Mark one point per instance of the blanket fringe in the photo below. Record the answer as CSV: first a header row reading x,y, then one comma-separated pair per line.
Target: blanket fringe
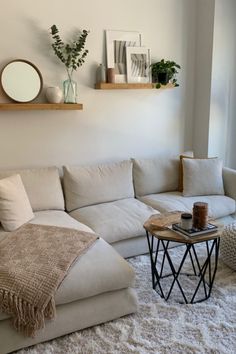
x,y
26,318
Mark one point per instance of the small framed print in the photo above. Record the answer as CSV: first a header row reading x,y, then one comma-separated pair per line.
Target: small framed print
x,y
116,43
138,64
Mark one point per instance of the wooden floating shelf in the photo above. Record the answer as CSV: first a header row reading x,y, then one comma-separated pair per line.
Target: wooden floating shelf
x,y
108,86
127,86
40,106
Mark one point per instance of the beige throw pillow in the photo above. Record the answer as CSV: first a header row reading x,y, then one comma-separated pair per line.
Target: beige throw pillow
x,y
15,208
202,177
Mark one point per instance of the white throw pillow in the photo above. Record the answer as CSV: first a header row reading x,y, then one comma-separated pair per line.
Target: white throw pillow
x,y
202,177
15,208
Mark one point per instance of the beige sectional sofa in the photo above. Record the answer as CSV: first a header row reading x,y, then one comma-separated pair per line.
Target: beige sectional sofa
x,y
112,200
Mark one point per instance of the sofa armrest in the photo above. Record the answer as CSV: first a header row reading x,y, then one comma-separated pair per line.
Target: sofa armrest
x,y
229,179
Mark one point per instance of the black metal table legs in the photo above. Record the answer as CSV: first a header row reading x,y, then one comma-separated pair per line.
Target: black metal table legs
x,y
205,273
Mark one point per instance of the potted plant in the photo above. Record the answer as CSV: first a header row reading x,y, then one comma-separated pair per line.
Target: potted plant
x,y
72,55
164,72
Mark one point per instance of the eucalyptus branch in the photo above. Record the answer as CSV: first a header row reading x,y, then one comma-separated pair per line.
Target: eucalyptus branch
x,y
71,54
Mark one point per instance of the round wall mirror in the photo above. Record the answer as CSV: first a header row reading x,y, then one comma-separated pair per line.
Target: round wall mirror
x,y
21,81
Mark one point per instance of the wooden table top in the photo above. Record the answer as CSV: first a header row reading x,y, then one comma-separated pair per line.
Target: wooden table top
x,y
157,225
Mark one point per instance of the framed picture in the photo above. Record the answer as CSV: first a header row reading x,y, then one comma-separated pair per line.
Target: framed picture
x,y
116,43
138,64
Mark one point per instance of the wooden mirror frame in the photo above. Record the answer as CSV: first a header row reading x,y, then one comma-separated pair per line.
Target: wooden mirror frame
x,y
35,68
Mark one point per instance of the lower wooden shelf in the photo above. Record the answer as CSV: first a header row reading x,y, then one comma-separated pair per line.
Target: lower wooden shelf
x,y
128,86
40,106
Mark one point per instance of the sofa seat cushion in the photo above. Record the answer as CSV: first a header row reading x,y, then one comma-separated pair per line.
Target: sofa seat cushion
x,y
219,205
53,218
117,220
98,271
58,218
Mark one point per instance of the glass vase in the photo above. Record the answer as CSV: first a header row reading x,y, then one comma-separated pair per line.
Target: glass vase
x,y
70,91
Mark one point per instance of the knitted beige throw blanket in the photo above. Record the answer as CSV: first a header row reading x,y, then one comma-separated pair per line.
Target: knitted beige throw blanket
x,y
33,262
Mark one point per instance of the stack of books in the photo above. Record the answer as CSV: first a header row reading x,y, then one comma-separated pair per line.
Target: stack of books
x,y
195,232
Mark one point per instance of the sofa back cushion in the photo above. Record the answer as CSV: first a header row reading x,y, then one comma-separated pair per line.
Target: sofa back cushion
x,y
156,175
42,185
89,185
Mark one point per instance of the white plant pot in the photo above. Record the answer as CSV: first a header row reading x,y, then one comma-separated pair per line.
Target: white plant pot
x,y
54,94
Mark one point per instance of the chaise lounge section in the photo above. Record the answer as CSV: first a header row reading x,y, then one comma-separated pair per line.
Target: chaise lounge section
x,y
98,287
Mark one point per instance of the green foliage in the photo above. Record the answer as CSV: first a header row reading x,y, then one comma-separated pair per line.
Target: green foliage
x,y
169,67
71,54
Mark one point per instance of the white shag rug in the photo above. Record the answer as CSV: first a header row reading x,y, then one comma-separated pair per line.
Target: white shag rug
x,y
160,327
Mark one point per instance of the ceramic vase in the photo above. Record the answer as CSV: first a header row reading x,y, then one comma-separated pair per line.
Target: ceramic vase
x,y
101,74
54,94
111,75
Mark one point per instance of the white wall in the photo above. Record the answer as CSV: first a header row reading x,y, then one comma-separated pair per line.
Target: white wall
x,y
222,128
113,124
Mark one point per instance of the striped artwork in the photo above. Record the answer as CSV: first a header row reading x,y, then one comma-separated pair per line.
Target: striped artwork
x,y
120,56
138,61
139,65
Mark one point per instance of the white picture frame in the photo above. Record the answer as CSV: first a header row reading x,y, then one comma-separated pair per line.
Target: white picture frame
x,y
138,64
116,42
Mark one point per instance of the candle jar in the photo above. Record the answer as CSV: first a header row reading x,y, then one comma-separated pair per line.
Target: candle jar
x,y
186,221
200,215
